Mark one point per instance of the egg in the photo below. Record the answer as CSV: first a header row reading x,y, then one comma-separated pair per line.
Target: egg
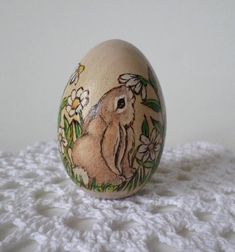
x,y
112,121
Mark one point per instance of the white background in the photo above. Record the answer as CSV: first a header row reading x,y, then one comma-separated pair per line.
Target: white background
x,y
190,44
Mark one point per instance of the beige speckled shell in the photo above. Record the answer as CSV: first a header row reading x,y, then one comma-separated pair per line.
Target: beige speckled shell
x,y
112,121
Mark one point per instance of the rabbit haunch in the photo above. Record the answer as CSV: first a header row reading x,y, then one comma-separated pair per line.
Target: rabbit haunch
x,y
105,148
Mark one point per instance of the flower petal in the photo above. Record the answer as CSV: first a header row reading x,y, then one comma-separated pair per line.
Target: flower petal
x,y
79,172
146,156
64,141
123,78
142,148
84,94
85,101
140,155
157,148
144,139
143,93
70,101
79,92
138,88
153,136
132,82
158,139
73,94
73,78
72,112
79,108
68,108
152,155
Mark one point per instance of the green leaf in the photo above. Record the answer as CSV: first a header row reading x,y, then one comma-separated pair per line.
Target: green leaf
x,y
63,103
157,125
110,188
67,163
140,162
81,117
68,130
130,184
94,186
140,170
152,80
77,129
66,126
70,162
153,104
143,80
143,174
58,120
145,127
70,136
136,180
149,164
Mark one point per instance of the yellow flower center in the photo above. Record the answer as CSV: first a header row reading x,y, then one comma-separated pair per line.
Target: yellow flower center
x,y
75,103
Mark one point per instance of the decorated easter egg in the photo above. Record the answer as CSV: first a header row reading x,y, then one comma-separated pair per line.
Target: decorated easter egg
x,y
112,121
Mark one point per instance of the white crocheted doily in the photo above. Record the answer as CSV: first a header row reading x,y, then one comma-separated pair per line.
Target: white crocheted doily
x,y
189,205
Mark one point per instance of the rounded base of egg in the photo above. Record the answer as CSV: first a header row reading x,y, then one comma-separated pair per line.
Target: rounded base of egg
x,y
112,121
112,195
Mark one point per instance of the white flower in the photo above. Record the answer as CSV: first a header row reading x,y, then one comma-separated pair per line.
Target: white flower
x,y
62,140
79,172
134,82
150,147
77,101
75,76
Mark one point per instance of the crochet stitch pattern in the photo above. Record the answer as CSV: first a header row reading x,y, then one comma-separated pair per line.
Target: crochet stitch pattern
x,y
189,205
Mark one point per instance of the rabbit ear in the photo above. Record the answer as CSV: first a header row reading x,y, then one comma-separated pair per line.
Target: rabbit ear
x,y
113,147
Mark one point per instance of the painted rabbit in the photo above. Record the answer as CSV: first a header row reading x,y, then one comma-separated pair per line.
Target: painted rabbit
x,y
106,146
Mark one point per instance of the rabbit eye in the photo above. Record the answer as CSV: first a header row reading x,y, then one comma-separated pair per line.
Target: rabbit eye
x,y
121,103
